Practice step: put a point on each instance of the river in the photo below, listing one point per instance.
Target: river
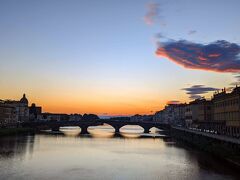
(66, 156)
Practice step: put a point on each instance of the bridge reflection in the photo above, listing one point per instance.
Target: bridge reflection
(101, 131)
(70, 130)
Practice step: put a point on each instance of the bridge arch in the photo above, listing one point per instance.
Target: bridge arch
(131, 128)
(70, 130)
(104, 126)
(154, 129)
(116, 124)
(105, 130)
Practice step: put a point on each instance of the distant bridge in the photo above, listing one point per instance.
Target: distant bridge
(116, 124)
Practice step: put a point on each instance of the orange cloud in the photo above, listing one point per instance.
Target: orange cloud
(214, 55)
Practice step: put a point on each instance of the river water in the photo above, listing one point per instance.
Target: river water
(103, 156)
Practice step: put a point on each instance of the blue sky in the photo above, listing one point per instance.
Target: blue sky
(99, 56)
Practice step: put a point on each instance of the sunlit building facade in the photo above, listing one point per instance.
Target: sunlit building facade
(227, 111)
(173, 114)
(201, 111)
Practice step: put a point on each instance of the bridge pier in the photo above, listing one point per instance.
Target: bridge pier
(117, 129)
(146, 130)
(84, 130)
(55, 128)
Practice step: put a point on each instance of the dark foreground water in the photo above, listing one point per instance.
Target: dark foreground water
(51, 156)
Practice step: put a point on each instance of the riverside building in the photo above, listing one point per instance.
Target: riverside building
(14, 112)
(227, 111)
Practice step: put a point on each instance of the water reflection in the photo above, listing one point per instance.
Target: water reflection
(105, 131)
(131, 131)
(155, 130)
(13, 151)
(70, 130)
(53, 156)
(65, 157)
(16, 146)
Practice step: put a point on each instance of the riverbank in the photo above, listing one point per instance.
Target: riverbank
(223, 148)
(15, 131)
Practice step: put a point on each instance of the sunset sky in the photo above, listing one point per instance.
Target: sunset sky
(114, 57)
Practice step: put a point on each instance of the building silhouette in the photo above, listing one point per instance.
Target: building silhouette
(13, 112)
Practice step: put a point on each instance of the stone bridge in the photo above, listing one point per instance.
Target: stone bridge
(116, 124)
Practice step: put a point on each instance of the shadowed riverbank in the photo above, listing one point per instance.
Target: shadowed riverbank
(15, 131)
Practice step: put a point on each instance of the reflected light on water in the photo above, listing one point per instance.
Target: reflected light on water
(154, 130)
(101, 131)
(131, 131)
(71, 130)
(131, 135)
(53, 156)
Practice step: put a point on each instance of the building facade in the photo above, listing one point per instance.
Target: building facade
(159, 117)
(34, 111)
(21, 107)
(8, 116)
(13, 113)
(201, 110)
(173, 114)
(227, 111)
